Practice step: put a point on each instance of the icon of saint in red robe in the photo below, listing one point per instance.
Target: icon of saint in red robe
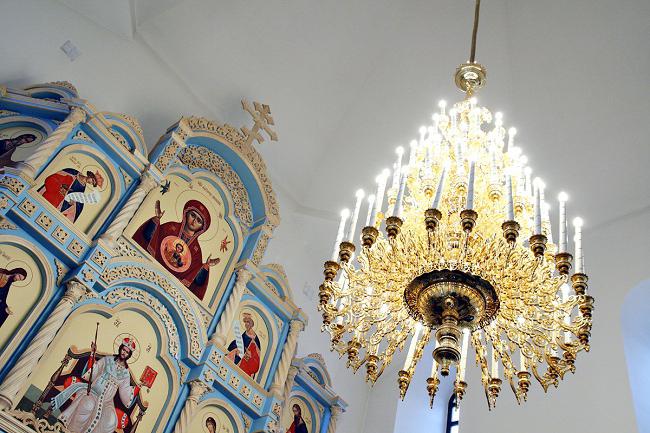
(298, 425)
(175, 245)
(250, 360)
(66, 191)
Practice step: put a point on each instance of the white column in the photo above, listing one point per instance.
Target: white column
(289, 350)
(197, 389)
(47, 147)
(291, 379)
(225, 321)
(115, 230)
(336, 412)
(19, 374)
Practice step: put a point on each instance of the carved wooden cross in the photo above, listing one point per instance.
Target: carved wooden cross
(261, 114)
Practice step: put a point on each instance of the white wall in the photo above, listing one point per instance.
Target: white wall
(114, 73)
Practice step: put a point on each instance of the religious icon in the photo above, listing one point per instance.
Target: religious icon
(245, 349)
(211, 425)
(175, 245)
(298, 425)
(7, 278)
(100, 394)
(9, 145)
(66, 191)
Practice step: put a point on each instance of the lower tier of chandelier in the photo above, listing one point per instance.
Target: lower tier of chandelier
(475, 299)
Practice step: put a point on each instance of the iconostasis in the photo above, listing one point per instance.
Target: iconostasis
(132, 291)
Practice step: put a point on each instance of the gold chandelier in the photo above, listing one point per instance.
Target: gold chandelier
(466, 256)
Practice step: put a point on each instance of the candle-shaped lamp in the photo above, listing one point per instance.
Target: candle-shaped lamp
(398, 167)
(414, 343)
(399, 203)
(463, 355)
(345, 213)
(495, 363)
(510, 207)
(529, 184)
(371, 202)
(423, 133)
(413, 149)
(562, 198)
(538, 208)
(567, 317)
(580, 262)
(470, 185)
(441, 186)
(379, 196)
(511, 137)
(355, 215)
(442, 104)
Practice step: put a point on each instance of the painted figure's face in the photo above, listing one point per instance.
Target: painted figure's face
(211, 424)
(19, 277)
(296, 410)
(125, 353)
(194, 221)
(248, 323)
(179, 248)
(90, 178)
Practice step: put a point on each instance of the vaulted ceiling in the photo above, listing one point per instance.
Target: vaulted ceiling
(347, 82)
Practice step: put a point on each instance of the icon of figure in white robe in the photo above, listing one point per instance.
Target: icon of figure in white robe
(95, 412)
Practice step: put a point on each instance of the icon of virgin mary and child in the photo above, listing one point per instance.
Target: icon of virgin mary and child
(175, 245)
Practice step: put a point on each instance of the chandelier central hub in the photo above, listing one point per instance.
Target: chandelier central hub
(430, 296)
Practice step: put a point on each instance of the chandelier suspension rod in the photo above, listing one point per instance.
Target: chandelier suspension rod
(472, 54)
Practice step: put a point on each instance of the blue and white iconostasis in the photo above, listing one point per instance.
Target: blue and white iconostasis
(132, 293)
(311, 404)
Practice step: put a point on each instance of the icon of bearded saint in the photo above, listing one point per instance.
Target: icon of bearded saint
(162, 242)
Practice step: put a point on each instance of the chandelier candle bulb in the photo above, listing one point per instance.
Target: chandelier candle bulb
(371, 202)
(511, 138)
(442, 104)
(398, 167)
(399, 203)
(441, 186)
(529, 183)
(562, 198)
(495, 363)
(423, 132)
(577, 239)
(452, 116)
(510, 207)
(537, 209)
(412, 346)
(414, 146)
(522, 361)
(462, 363)
(345, 213)
(379, 197)
(355, 215)
(470, 186)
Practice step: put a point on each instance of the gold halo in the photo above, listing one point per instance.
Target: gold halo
(118, 341)
(30, 276)
(89, 167)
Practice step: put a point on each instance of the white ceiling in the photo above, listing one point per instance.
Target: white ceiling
(347, 82)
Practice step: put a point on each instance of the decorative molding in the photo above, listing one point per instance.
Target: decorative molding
(4, 201)
(260, 248)
(6, 113)
(5, 224)
(64, 84)
(44, 221)
(120, 139)
(132, 121)
(168, 154)
(279, 269)
(75, 247)
(60, 234)
(125, 249)
(203, 158)
(12, 184)
(142, 273)
(27, 207)
(129, 293)
(99, 258)
(248, 151)
(128, 180)
(37, 424)
(80, 135)
(61, 270)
